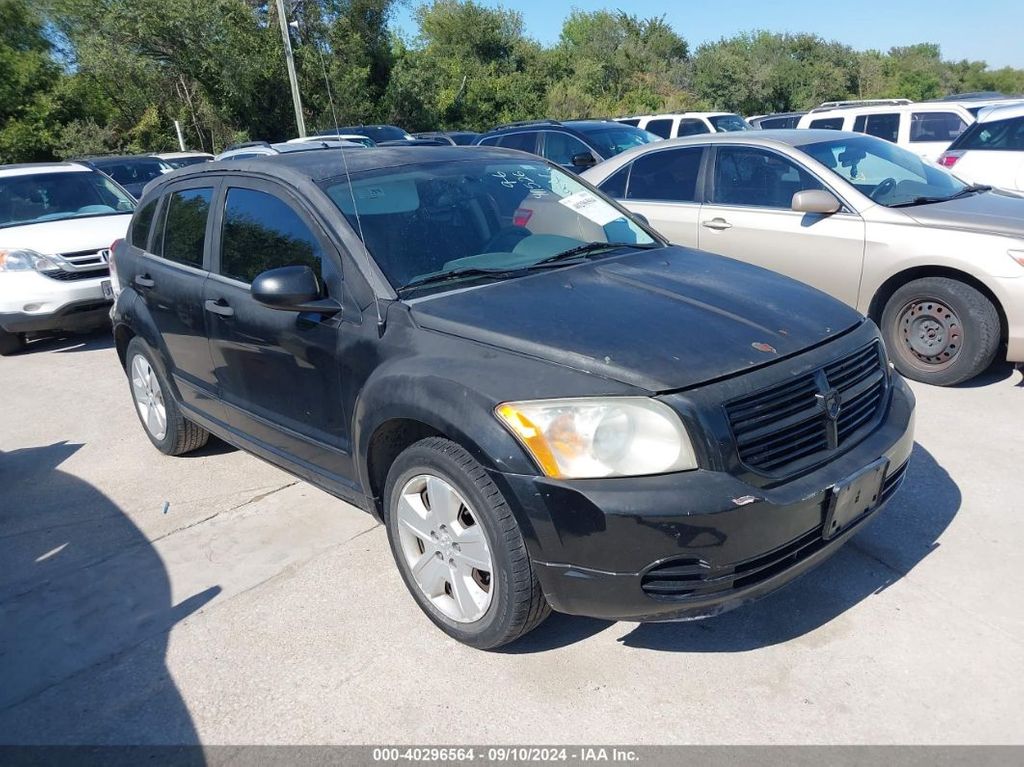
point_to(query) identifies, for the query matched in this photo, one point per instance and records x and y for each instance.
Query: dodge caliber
(547, 405)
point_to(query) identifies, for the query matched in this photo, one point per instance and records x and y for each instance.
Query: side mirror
(641, 218)
(583, 160)
(816, 201)
(292, 289)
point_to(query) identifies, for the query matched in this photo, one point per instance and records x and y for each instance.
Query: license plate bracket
(107, 288)
(854, 497)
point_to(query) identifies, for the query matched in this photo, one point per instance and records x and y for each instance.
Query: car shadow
(85, 613)
(101, 338)
(891, 545)
(996, 372)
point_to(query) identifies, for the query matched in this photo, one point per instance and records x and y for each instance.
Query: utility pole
(292, 77)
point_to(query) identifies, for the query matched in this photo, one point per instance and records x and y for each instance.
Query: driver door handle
(219, 307)
(144, 281)
(718, 224)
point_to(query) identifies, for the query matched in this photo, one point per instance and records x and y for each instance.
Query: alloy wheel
(149, 397)
(445, 548)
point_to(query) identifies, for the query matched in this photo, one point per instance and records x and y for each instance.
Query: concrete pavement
(257, 609)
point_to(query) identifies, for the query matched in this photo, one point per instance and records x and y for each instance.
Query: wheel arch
(898, 280)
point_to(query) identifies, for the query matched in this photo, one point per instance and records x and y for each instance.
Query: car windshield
(432, 223)
(39, 197)
(138, 171)
(729, 123)
(886, 173)
(614, 139)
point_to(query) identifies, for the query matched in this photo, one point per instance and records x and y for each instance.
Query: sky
(991, 31)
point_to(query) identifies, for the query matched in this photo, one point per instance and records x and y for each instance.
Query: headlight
(1017, 255)
(25, 261)
(600, 436)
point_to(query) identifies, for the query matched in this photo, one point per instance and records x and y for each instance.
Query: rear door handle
(718, 224)
(144, 281)
(219, 307)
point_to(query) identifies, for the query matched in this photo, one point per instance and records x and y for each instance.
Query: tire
(11, 343)
(503, 604)
(171, 434)
(940, 331)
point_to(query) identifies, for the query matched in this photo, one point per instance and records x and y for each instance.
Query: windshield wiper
(587, 248)
(456, 274)
(967, 190)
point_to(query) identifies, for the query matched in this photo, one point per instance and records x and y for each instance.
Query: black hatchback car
(546, 404)
(573, 144)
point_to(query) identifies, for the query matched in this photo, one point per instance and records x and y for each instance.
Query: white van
(926, 129)
(57, 223)
(688, 123)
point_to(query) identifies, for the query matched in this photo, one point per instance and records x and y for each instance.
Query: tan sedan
(938, 264)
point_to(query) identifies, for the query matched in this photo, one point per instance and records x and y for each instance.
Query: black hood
(665, 319)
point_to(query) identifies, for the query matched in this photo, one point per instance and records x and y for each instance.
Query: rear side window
(662, 127)
(828, 123)
(141, 223)
(525, 142)
(263, 232)
(185, 226)
(1006, 135)
(634, 121)
(667, 176)
(935, 126)
(691, 127)
(885, 126)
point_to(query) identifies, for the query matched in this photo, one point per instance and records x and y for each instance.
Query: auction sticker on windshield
(589, 206)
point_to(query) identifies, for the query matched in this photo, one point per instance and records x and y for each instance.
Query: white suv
(57, 222)
(925, 129)
(688, 123)
(992, 150)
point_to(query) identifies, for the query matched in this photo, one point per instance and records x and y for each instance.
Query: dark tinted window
(263, 232)
(729, 123)
(140, 171)
(615, 184)
(935, 126)
(670, 176)
(885, 126)
(561, 147)
(998, 134)
(185, 226)
(139, 235)
(778, 123)
(526, 142)
(748, 176)
(634, 121)
(828, 123)
(661, 128)
(692, 127)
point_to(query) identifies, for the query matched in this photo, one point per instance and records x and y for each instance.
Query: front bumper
(31, 302)
(598, 545)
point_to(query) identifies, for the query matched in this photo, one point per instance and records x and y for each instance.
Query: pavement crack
(260, 496)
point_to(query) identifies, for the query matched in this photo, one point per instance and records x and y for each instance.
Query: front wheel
(940, 331)
(459, 548)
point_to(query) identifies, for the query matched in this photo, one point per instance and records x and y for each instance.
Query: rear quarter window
(828, 123)
(1005, 135)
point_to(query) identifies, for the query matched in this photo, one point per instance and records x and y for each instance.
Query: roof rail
(828, 105)
(246, 144)
(522, 123)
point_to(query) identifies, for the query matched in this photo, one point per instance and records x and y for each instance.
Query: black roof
(572, 125)
(330, 163)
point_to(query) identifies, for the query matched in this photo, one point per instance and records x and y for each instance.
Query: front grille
(681, 578)
(81, 265)
(787, 427)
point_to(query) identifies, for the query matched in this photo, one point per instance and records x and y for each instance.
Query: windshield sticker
(589, 206)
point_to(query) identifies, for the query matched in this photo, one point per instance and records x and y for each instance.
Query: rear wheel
(940, 331)
(11, 343)
(169, 431)
(459, 548)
